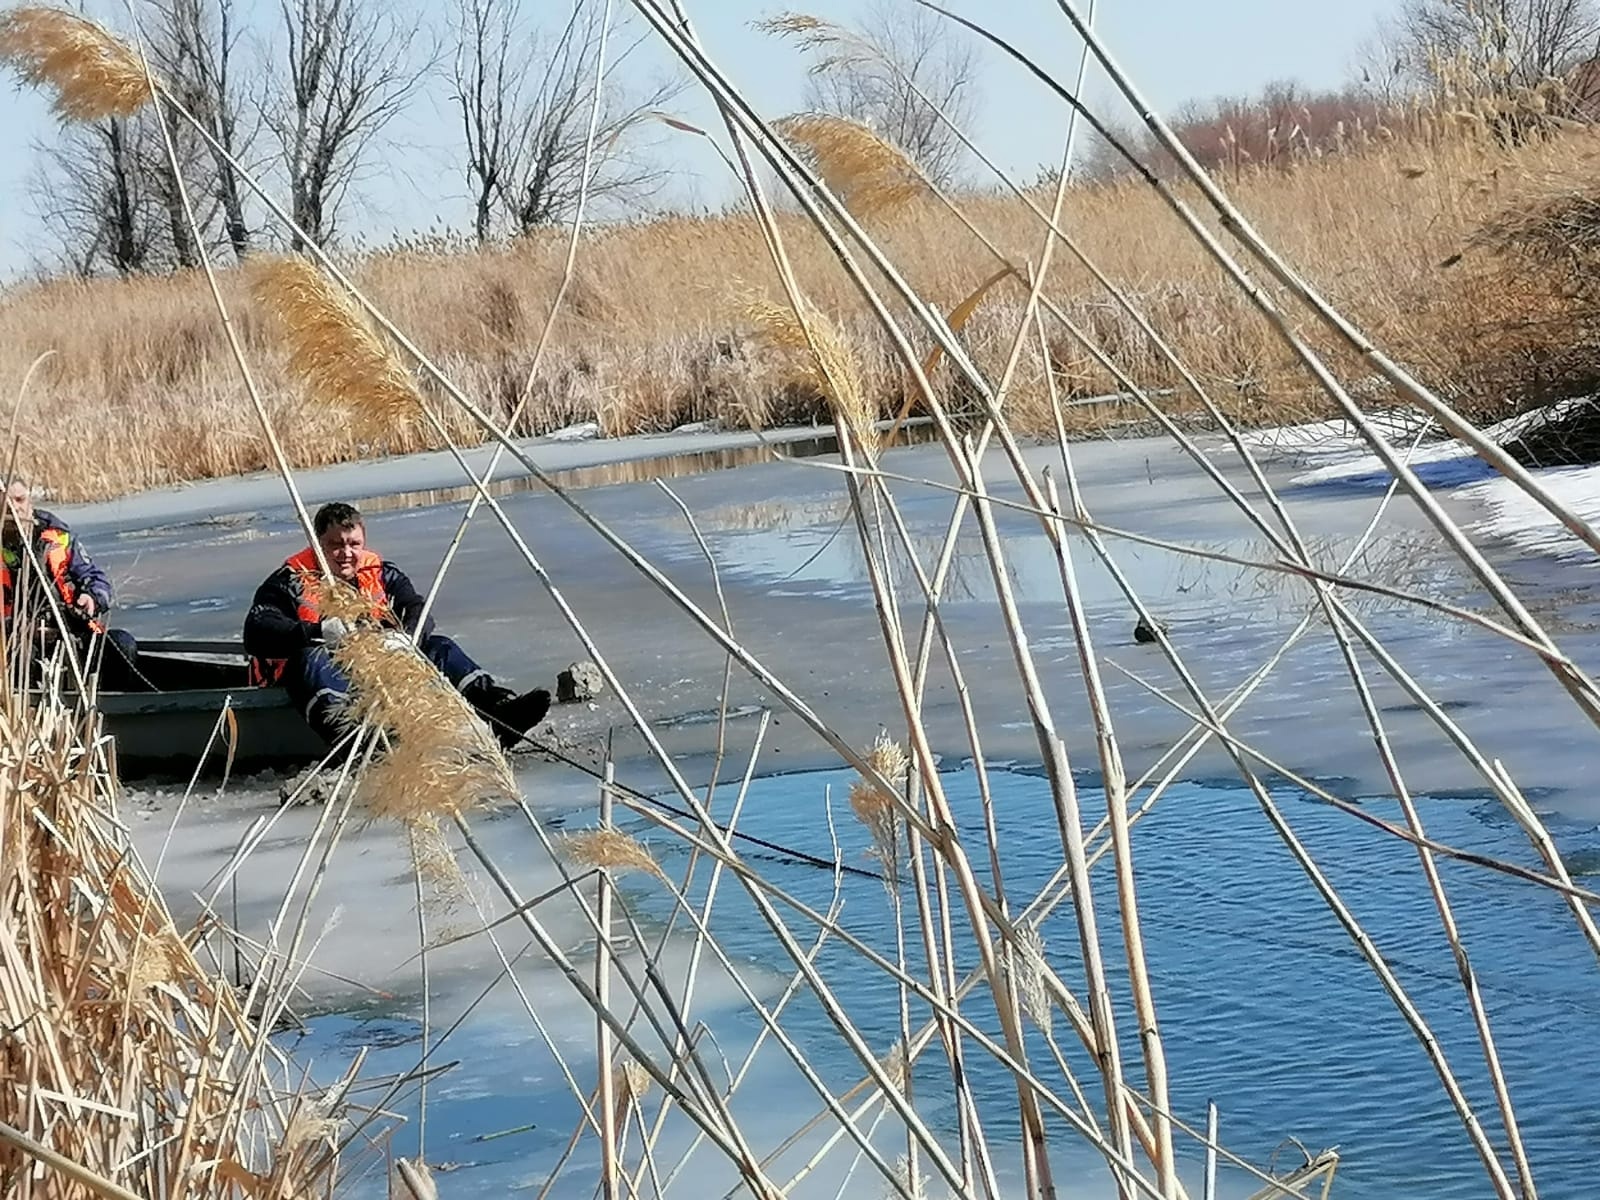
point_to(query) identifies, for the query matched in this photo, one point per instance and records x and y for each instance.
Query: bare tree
(1098, 160)
(195, 45)
(525, 102)
(908, 53)
(1492, 45)
(110, 194)
(97, 201)
(349, 70)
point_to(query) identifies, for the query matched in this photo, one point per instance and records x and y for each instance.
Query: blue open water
(1265, 1005)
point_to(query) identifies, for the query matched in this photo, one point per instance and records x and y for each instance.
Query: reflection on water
(636, 470)
(639, 470)
(818, 547)
(1264, 1004)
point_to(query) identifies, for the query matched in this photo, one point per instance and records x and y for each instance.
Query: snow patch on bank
(1516, 517)
(1332, 452)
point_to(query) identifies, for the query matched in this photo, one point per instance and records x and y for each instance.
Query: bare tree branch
(904, 41)
(350, 67)
(524, 116)
(1492, 46)
(108, 203)
(195, 45)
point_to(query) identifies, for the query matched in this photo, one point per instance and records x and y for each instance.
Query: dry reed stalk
(343, 364)
(713, 887)
(726, 1138)
(94, 74)
(612, 1108)
(892, 1063)
(721, 1134)
(737, 109)
(710, 72)
(871, 176)
(1582, 689)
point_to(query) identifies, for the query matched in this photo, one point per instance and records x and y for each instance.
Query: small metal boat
(167, 729)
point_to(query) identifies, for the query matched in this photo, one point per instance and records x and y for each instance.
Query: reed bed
(132, 1065)
(649, 337)
(1232, 331)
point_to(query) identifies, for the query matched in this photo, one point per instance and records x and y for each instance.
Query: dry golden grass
(142, 392)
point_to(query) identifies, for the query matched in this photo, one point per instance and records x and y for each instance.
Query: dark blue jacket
(85, 574)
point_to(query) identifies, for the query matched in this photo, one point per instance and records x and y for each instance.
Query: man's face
(343, 548)
(18, 501)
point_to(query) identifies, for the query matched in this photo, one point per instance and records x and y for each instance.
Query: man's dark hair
(337, 515)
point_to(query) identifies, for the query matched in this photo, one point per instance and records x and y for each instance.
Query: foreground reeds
(129, 1058)
(1075, 1040)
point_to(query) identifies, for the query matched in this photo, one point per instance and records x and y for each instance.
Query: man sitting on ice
(288, 640)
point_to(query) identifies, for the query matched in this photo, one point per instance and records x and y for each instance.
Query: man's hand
(86, 605)
(333, 630)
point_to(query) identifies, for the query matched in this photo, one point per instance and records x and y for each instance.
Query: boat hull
(201, 712)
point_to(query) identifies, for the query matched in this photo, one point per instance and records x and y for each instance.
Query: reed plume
(95, 74)
(818, 357)
(631, 1084)
(870, 175)
(441, 760)
(1027, 963)
(611, 850)
(879, 810)
(435, 864)
(335, 354)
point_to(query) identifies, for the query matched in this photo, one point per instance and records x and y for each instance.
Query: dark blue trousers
(317, 685)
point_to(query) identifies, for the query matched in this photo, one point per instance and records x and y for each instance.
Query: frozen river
(1319, 1055)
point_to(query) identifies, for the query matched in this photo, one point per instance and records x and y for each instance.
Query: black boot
(507, 713)
(515, 715)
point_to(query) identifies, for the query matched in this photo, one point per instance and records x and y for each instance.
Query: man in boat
(38, 548)
(288, 640)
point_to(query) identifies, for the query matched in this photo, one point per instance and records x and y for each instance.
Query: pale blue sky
(1177, 50)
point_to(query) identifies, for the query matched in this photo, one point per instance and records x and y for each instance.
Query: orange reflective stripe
(57, 557)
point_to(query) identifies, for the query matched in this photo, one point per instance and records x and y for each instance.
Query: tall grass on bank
(144, 393)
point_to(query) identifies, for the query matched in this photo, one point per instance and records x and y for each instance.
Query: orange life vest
(264, 672)
(57, 557)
